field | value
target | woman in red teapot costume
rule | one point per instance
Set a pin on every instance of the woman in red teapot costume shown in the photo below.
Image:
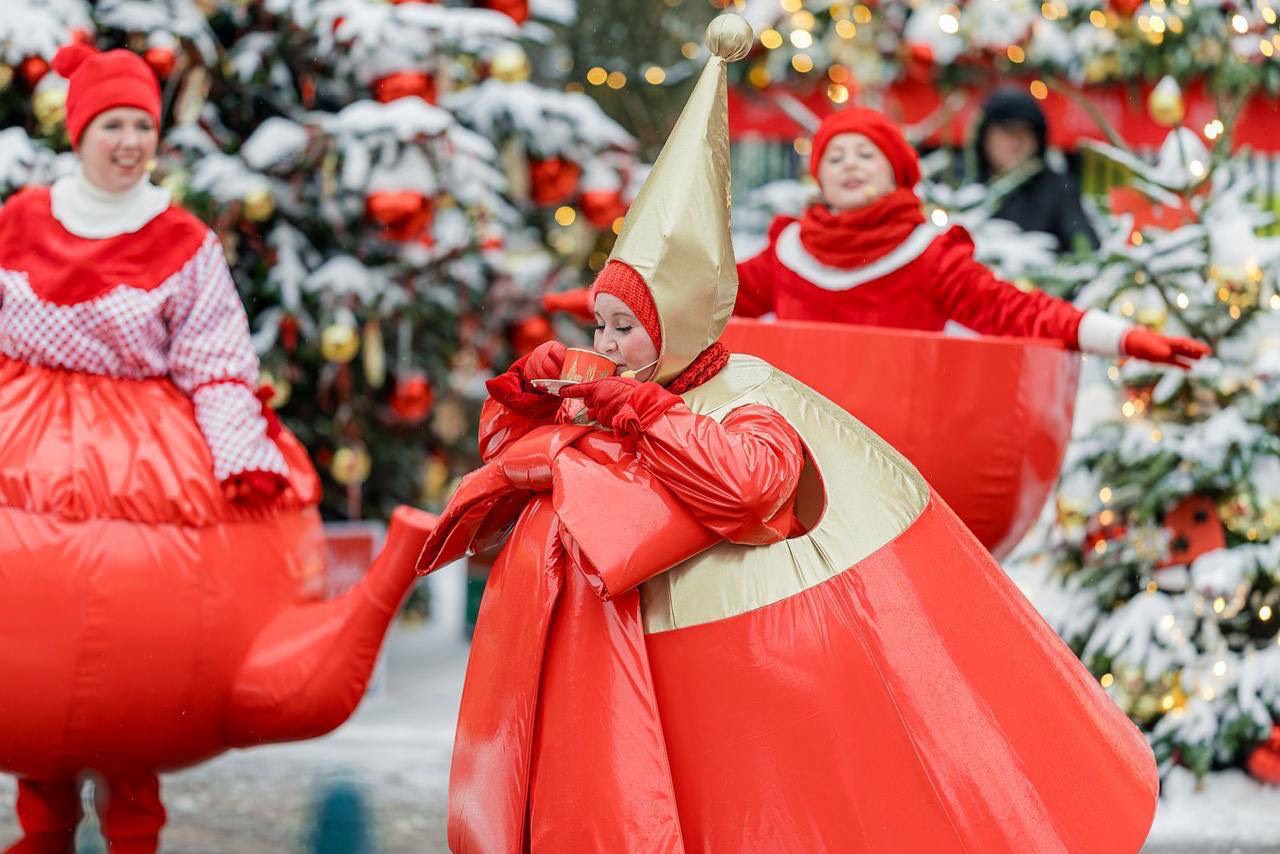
(864, 253)
(728, 617)
(158, 527)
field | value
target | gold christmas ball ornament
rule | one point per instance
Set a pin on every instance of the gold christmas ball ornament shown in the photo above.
(280, 387)
(449, 421)
(435, 477)
(176, 183)
(1239, 514)
(1071, 514)
(510, 64)
(339, 342)
(1165, 104)
(351, 465)
(259, 204)
(50, 106)
(375, 354)
(6, 76)
(1146, 707)
(1153, 318)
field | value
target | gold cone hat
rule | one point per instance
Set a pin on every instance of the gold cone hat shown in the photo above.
(676, 235)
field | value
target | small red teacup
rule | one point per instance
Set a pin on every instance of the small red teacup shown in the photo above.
(584, 366)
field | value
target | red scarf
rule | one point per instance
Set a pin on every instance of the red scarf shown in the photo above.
(854, 238)
(709, 363)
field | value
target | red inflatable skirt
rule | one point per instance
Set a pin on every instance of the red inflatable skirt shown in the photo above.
(913, 701)
(130, 590)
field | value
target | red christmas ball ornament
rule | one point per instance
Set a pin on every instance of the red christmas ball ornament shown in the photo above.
(33, 69)
(289, 333)
(552, 180)
(1126, 8)
(404, 215)
(1102, 532)
(1264, 761)
(412, 396)
(161, 59)
(602, 207)
(531, 332)
(403, 84)
(516, 10)
(919, 63)
(82, 36)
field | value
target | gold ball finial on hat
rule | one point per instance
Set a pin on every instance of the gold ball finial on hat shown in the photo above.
(730, 37)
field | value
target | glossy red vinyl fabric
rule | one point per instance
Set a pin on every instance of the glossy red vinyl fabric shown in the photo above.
(913, 703)
(146, 623)
(985, 420)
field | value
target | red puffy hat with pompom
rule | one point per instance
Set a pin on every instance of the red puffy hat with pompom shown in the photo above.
(104, 81)
(883, 133)
(626, 284)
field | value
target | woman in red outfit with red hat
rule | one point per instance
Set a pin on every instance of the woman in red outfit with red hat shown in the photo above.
(864, 253)
(130, 434)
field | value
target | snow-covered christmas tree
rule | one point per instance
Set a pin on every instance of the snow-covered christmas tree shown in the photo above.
(1162, 569)
(396, 185)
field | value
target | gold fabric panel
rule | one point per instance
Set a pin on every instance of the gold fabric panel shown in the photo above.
(872, 495)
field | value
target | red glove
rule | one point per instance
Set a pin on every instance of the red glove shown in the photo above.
(253, 487)
(514, 391)
(577, 302)
(623, 404)
(1150, 346)
(543, 363)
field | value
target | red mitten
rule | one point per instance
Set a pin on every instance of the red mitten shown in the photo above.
(577, 302)
(509, 390)
(623, 404)
(1152, 347)
(543, 363)
(253, 487)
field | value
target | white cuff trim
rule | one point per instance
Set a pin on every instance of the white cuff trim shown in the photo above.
(1101, 333)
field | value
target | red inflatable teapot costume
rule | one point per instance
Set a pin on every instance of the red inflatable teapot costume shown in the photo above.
(157, 525)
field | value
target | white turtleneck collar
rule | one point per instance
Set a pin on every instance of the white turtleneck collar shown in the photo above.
(87, 210)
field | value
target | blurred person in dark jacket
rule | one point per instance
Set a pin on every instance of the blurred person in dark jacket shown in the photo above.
(1009, 149)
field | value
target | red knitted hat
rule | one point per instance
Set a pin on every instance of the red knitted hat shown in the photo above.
(103, 81)
(625, 283)
(885, 134)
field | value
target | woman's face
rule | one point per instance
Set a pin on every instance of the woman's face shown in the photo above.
(853, 172)
(117, 146)
(621, 337)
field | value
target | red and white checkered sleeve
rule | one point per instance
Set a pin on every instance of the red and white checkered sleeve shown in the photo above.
(212, 360)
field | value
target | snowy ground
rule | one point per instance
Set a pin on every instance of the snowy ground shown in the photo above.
(396, 749)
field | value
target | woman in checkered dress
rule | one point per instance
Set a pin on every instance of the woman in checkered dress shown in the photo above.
(153, 514)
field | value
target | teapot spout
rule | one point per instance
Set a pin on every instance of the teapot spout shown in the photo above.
(308, 669)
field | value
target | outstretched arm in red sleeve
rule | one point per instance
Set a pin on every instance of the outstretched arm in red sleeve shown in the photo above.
(739, 475)
(968, 293)
(756, 276)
